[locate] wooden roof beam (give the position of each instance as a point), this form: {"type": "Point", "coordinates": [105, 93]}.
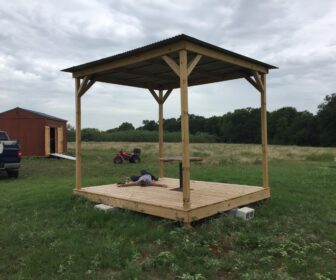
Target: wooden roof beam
{"type": "Point", "coordinates": [225, 57]}
{"type": "Point", "coordinates": [252, 82]}
{"type": "Point", "coordinates": [85, 85]}
{"type": "Point", "coordinates": [201, 71]}
{"type": "Point", "coordinates": [192, 64]}
{"type": "Point", "coordinates": [172, 64]}
{"type": "Point", "coordinates": [166, 95]}
{"type": "Point", "coordinates": [157, 97]}
{"type": "Point", "coordinates": [124, 82]}
{"type": "Point", "coordinates": [90, 84]}
{"type": "Point", "coordinates": [166, 78]}
{"type": "Point", "coordinates": [138, 73]}
{"type": "Point", "coordinates": [208, 80]}
{"type": "Point", "coordinates": [138, 69]}
{"type": "Point", "coordinates": [258, 81]}
{"type": "Point", "coordinates": [176, 68]}
{"type": "Point", "coordinates": [159, 52]}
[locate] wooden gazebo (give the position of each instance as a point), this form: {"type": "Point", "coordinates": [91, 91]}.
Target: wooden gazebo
{"type": "Point", "coordinates": [177, 62]}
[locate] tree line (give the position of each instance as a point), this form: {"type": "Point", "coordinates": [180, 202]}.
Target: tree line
{"type": "Point", "coordinates": [286, 126]}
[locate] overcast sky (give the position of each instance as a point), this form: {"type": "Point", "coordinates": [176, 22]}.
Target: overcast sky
{"type": "Point", "coordinates": [39, 38]}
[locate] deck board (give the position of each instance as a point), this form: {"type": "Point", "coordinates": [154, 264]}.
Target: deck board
{"type": "Point", "coordinates": [207, 198]}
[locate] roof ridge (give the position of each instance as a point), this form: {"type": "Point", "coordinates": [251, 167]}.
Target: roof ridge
{"type": "Point", "coordinates": [36, 113]}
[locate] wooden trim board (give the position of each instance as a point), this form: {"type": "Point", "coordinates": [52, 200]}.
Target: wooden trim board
{"type": "Point", "coordinates": [209, 198]}
{"type": "Point", "coordinates": [210, 210]}
{"type": "Point", "coordinates": [225, 57]}
{"type": "Point", "coordinates": [130, 60]}
{"type": "Point", "coordinates": [155, 210]}
{"type": "Point", "coordinates": [60, 140]}
{"type": "Point", "coordinates": [47, 140]}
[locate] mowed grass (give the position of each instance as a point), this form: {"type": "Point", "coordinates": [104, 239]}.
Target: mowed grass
{"type": "Point", "coordinates": [47, 233]}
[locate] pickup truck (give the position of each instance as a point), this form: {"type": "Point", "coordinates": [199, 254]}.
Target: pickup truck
{"type": "Point", "coordinates": [10, 155]}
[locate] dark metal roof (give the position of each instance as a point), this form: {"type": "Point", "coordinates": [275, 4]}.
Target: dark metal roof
{"type": "Point", "coordinates": [38, 113]}
{"type": "Point", "coordinates": [162, 43]}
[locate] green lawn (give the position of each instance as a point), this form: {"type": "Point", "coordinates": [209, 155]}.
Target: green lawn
{"type": "Point", "coordinates": [46, 233]}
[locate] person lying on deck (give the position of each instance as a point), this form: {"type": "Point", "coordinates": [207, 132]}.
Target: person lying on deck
{"type": "Point", "coordinates": [143, 172]}
{"type": "Point", "coordinates": [144, 180]}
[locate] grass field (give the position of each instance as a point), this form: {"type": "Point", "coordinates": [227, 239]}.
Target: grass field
{"type": "Point", "coordinates": [46, 233]}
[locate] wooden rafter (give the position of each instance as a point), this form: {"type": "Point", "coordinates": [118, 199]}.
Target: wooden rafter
{"type": "Point", "coordinates": [168, 92]}
{"type": "Point", "coordinates": [85, 85]}
{"type": "Point", "coordinates": [168, 81]}
{"type": "Point", "coordinates": [210, 79]}
{"type": "Point", "coordinates": [213, 72]}
{"type": "Point", "coordinates": [193, 63]}
{"type": "Point", "coordinates": [156, 97]}
{"type": "Point", "coordinates": [225, 57]}
{"type": "Point", "coordinates": [129, 60]}
{"type": "Point", "coordinates": [139, 73]}
{"type": "Point", "coordinates": [160, 62]}
{"type": "Point", "coordinates": [163, 74]}
{"type": "Point", "coordinates": [119, 81]}
{"type": "Point", "coordinates": [258, 80]}
{"type": "Point", "coordinates": [252, 82]}
{"type": "Point", "coordinates": [172, 64]}
{"type": "Point", "coordinates": [90, 84]}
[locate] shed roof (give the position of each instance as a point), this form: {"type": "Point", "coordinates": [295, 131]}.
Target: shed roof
{"type": "Point", "coordinates": [143, 67]}
{"type": "Point", "coordinates": [43, 115]}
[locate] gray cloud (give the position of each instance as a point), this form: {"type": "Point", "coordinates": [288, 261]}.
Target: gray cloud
{"type": "Point", "coordinates": [39, 38]}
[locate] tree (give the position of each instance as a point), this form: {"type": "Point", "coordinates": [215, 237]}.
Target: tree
{"type": "Point", "coordinates": [149, 125]}
{"type": "Point", "coordinates": [241, 126]}
{"type": "Point", "coordinates": [326, 118]}
{"type": "Point", "coordinates": [91, 134]}
{"type": "Point", "coordinates": [126, 126]}
{"type": "Point", "coordinates": [279, 125]}
{"type": "Point", "coordinates": [172, 124]}
{"type": "Point", "coordinates": [196, 124]}
{"type": "Point", "coordinates": [303, 129]}
{"type": "Point", "coordinates": [71, 133]}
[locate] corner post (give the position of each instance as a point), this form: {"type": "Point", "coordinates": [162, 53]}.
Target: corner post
{"type": "Point", "coordinates": [264, 133]}
{"type": "Point", "coordinates": [185, 127]}
{"type": "Point", "coordinates": [78, 136]}
{"type": "Point", "coordinates": [161, 132]}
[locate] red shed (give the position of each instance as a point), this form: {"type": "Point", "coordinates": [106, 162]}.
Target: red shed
{"type": "Point", "coordinates": [39, 134]}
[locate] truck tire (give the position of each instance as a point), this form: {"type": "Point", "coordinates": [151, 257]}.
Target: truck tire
{"type": "Point", "coordinates": [13, 173]}
{"type": "Point", "coordinates": [135, 159]}
{"type": "Point", "coordinates": [118, 160]}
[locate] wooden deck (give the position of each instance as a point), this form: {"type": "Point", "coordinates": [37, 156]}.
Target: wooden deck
{"type": "Point", "coordinates": [207, 198]}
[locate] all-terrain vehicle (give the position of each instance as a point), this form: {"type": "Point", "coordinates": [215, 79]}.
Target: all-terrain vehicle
{"type": "Point", "coordinates": [122, 156]}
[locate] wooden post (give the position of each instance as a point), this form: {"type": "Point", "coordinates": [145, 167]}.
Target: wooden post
{"type": "Point", "coordinates": [161, 132]}
{"type": "Point", "coordinates": [60, 140]}
{"type": "Point", "coordinates": [47, 141]}
{"type": "Point", "coordinates": [185, 127]}
{"type": "Point", "coordinates": [264, 132]}
{"type": "Point", "coordinates": [78, 135]}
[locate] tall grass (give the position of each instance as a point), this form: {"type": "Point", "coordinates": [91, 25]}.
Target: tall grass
{"type": "Point", "coordinates": [141, 136]}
